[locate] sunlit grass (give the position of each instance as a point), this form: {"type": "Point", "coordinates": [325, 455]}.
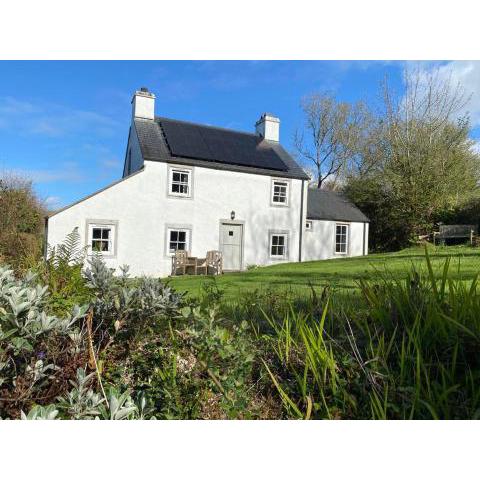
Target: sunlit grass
{"type": "Point", "coordinates": [343, 274]}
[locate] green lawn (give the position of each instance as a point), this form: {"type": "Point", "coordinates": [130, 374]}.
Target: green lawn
{"type": "Point", "coordinates": [342, 273]}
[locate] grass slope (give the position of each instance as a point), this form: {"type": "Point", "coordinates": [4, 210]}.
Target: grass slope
{"type": "Point", "coordinates": [342, 273]}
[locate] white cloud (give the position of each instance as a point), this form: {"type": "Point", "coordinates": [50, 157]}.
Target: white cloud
{"type": "Point", "coordinates": [53, 202]}
{"type": "Point", "coordinates": [105, 158]}
{"type": "Point", "coordinates": [476, 147]}
{"type": "Point", "coordinates": [13, 106]}
{"type": "Point", "coordinates": [66, 172]}
{"type": "Point", "coordinates": [52, 120]}
{"type": "Point", "coordinates": [46, 127]}
{"type": "Point", "coordinates": [111, 163]}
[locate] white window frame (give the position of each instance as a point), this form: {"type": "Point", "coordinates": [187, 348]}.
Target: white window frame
{"type": "Point", "coordinates": [347, 238]}
{"type": "Point", "coordinates": [284, 183]}
{"type": "Point", "coordinates": [182, 171]}
{"type": "Point", "coordinates": [285, 245]}
{"type": "Point", "coordinates": [188, 237]}
{"type": "Point", "coordinates": [112, 240]}
{"type": "Point", "coordinates": [308, 226]}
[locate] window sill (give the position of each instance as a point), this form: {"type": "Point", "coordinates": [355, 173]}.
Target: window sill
{"type": "Point", "coordinates": [178, 195]}
{"type": "Point", "coordinates": [103, 255]}
{"type": "Point", "coordinates": [172, 254]}
{"type": "Point", "coordinates": [173, 194]}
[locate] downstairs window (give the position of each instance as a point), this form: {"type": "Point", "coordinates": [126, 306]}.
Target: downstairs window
{"type": "Point", "coordinates": [102, 238]}
{"type": "Point", "coordinates": [178, 239]}
{"type": "Point", "coordinates": [278, 245]}
{"type": "Point", "coordinates": [341, 239]}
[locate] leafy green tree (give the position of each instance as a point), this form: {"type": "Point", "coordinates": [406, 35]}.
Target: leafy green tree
{"type": "Point", "coordinates": [418, 163]}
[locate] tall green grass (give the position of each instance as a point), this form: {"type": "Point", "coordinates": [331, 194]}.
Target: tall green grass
{"type": "Point", "coordinates": [403, 349]}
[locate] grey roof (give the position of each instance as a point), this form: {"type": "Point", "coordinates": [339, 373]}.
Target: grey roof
{"type": "Point", "coordinates": [154, 146]}
{"type": "Point", "coordinates": [325, 205]}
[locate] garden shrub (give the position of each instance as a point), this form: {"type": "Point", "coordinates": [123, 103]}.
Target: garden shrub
{"type": "Point", "coordinates": [21, 222]}
{"type": "Point", "coordinates": [62, 272]}
{"type": "Point", "coordinates": [219, 358]}
{"type": "Point", "coordinates": [83, 403]}
{"type": "Point", "coordinates": [39, 352]}
{"type": "Point", "coordinates": [128, 309]}
{"type": "Point", "coordinates": [191, 364]}
{"type": "Point", "coordinates": [138, 349]}
{"type": "Point", "coordinates": [44, 356]}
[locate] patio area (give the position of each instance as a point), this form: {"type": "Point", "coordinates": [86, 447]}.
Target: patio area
{"type": "Point", "coordinates": [185, 264]}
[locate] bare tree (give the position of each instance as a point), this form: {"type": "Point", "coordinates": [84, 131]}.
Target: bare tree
{"type": "Point", "coordinates": [428, 159]}
{"type": "Point", "coordinates": [419, 161]}
{"type": "Point", "coordinates": [329, 139]}
{"type": "Point", "coordinates": [429, 97]}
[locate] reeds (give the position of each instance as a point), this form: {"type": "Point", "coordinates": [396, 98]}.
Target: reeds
{"type": "Point", "coordinates": [406, 349]}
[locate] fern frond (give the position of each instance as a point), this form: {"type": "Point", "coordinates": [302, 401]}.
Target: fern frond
{"type": "Point", "coordinates": [69, 252]}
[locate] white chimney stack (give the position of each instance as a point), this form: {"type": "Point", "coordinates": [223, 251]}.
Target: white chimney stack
{"type": "Point", "coordinates": [143, 104]}
{"type": "Point", "coordinates": [268, 127]}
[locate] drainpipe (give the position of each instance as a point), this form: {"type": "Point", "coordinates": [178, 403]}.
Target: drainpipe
{"type": "Point", "coordinates": [364, 234]}
{"type": "Point", "coordinates": [301, 224]}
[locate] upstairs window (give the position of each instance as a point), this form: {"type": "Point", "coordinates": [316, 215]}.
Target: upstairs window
{"type": "Point", "coordinates": [278, 245]}
{"type": "Point", "coordinates": [280, 192]}
{"type": "Point", "coordinates": [341, 239]}
{"type": "Point", "coordinates": [180, 183]}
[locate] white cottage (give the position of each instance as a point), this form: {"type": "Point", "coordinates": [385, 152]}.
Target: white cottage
{"type": "Point", "coordinates": [195, 187]}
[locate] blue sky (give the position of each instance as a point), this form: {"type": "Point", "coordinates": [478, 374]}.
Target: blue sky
{"type": "Point", "coordinates": [65, 124]}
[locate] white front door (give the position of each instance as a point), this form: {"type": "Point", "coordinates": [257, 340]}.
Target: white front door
{"type": "Point", "coordinates": [231, 239]}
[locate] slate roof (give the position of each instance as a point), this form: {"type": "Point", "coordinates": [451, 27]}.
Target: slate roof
{"type": "Point", "coordinates": [227, 149]}
{"type": "Point", "coordinates": [325, 205]}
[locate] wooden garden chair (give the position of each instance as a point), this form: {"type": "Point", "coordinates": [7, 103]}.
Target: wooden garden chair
{"type": "Point", "coordinates": [181, 261]}
{"type": "Point", "coordinates": [211, 264]}
{"type": "Point", "coordinates": [214, 262]}
{"type": "Point", "coordinates": [202, 266]}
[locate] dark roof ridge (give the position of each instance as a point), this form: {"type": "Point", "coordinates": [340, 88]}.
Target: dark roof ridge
{"type": "Point", "coordinates": [310, 187]}
{"type": "Point", "coordinates": [333, 192]}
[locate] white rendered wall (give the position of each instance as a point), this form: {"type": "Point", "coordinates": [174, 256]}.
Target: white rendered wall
{"type": "Point", "coordinates": [319, 243]}
{"type": "Point", "coordinates": [121, 203]}
{"type": "Point", "coordinates": [141, 206]}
